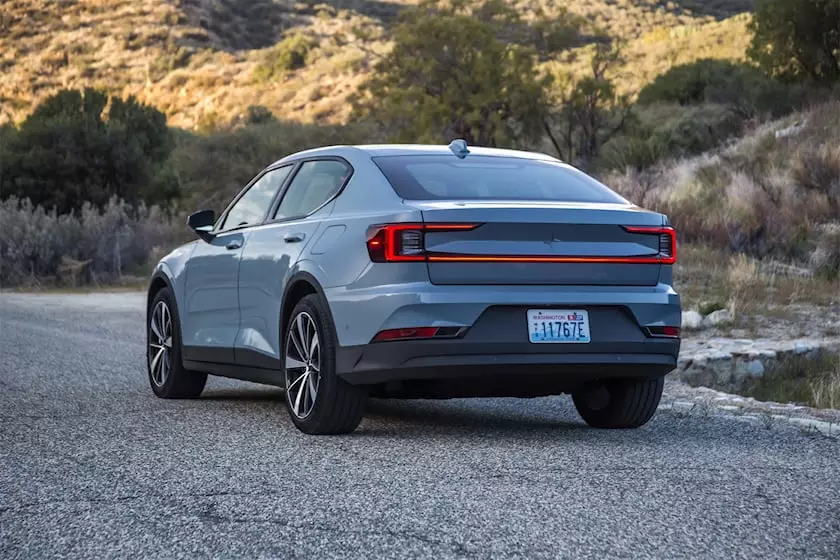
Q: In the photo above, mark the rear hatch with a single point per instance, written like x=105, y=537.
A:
x=542, y=243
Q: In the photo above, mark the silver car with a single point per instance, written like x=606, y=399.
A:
x=350, y=272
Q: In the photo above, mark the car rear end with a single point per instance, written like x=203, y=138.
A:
x=510, y=276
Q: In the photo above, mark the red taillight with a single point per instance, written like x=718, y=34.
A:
x=667, y=241
x=404, y=242
x=664, y=332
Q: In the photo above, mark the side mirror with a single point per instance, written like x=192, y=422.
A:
x=201, y=223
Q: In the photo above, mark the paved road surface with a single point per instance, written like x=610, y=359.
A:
x=92, y=465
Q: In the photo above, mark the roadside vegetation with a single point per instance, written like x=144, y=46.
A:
x=809, y=380
x=727, y=121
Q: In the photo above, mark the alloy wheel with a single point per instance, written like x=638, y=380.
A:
x=160, y=343
x=303, y=365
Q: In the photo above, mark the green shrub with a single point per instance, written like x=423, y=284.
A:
x=670, y=135
x=699, y=129
x=82, y=147
x=259, y=114
x=743, y=87
x=289, y=54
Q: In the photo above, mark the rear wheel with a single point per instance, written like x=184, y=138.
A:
x=619, y=403
x=319, y=401
x=168, y=378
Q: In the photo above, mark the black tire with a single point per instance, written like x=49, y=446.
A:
x=178, y=383
x=619, y=403
x=338, y=406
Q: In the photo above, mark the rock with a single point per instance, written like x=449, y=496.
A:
x=691, y=320
x=803, y=347
x=792, y=130
x=717, y=318
x=752, y=368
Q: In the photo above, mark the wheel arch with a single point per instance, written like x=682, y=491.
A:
x=300, y=285
x=158, y=282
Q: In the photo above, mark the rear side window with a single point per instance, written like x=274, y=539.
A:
x=314, y=184
x=432, y=177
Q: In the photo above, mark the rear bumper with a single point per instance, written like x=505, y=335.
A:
x=559, y=366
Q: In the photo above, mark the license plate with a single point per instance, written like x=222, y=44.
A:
x=558, y=326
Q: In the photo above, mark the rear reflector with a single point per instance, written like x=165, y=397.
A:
x=664, y=332
x=418, y=333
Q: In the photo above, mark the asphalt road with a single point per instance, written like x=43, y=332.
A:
x=93, y=465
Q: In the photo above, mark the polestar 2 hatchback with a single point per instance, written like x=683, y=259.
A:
x=349, y=272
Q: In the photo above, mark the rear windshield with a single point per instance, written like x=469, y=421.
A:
x=433, y=177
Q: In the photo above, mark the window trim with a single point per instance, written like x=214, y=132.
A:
x=275, y=207
x=217, y=227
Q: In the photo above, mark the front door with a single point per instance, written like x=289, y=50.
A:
x=210, y=318
x=272, y=252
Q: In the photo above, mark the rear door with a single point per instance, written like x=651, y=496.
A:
x=273, y=250
x=210, y=319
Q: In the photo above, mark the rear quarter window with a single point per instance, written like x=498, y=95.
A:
x=434, y=177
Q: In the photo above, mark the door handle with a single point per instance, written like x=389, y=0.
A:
x=294, y=237
x=233, y=245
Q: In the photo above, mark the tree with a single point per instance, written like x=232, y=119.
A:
x=588, y=111
x=798, y=39
x=79, y=147
x=451, y=74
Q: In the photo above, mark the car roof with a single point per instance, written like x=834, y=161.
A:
x=375, y=150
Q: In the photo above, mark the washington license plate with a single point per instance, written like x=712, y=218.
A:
x=558, y=326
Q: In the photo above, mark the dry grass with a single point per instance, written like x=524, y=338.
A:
x=195, y=60
x=772, y=198
x=812, y=380
x=746, y=285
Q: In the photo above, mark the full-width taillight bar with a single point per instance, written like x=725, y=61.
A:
x=406, y=243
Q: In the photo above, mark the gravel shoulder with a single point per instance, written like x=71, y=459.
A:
x=91, y=464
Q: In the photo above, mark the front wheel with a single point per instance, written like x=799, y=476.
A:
x=319, y=401
x=619, y=403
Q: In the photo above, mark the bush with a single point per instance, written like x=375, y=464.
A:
x=687, y=132
x=745, y=88
x=816, y=168
x=762, y=196
x=82, y=147
x=289, y=54
x=825, y=257
x=94, y=246
x=698, y=129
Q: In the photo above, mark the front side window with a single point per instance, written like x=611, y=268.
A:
x=252, y=207
x=434, y=177
x=314, y=184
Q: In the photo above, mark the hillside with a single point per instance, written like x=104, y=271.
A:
x=200, y=60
